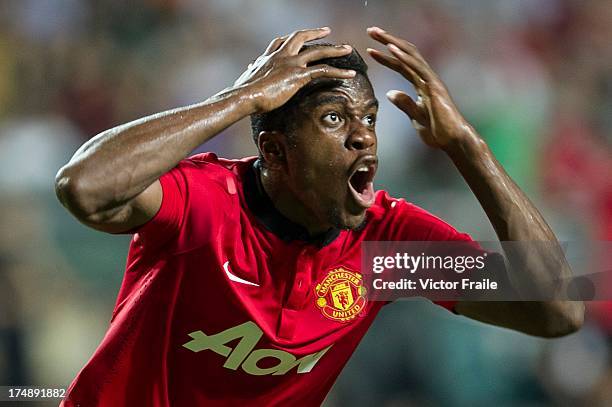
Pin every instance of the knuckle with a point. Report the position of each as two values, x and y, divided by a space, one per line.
292 36
313 73
298 33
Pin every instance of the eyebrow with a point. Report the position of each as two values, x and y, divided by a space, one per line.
331 99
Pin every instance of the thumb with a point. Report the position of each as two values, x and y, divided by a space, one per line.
406 104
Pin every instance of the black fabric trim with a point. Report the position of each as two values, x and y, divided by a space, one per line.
262 207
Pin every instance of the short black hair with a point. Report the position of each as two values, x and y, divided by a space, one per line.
282 117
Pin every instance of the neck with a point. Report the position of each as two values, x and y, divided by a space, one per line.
289 205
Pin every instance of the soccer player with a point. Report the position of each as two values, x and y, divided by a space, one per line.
243 283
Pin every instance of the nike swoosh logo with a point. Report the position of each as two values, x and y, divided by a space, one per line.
234 277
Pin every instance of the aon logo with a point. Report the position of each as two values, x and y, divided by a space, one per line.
243 354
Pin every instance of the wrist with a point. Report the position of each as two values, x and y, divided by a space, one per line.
251 97
468 143
244 98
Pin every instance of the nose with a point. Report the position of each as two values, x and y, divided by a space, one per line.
361 138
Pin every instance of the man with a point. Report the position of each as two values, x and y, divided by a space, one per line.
226 297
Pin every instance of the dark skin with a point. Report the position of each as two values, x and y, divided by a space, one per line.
308 178
111 183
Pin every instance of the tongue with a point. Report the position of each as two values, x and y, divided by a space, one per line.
367 194
364 188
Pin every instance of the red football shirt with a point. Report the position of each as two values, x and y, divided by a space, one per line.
224 302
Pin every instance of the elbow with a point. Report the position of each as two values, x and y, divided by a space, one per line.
564 318
76 193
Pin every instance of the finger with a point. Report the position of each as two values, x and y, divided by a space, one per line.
275 44
395 64
298 38
326 71
406 104
385 38
419 67
316 53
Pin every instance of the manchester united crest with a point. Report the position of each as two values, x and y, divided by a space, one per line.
341 295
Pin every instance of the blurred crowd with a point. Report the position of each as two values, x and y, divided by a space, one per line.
533 77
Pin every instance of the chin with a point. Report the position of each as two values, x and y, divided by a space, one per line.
350 221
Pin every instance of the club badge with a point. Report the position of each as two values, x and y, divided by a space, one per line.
341 295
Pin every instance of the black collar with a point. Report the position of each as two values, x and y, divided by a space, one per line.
262 207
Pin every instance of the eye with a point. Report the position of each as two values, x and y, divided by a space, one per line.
369 120
332 118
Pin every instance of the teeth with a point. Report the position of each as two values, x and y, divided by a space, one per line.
363 169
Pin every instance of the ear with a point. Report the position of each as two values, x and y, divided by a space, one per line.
272 147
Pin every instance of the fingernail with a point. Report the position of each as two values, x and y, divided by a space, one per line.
375 28
370 49
352 72
392 93
324 28
347 46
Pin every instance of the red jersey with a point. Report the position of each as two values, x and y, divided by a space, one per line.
225 302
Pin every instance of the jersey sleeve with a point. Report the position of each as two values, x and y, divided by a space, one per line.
411 223
168 219
192 203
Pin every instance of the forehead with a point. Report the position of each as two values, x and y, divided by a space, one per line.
355 92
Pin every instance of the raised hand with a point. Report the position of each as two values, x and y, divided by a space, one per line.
434 114
282 70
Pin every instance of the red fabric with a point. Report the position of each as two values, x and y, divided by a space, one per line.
175 285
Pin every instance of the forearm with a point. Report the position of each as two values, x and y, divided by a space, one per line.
118 164
441 125
512 214
515 218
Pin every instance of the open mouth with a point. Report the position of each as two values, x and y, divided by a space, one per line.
361 182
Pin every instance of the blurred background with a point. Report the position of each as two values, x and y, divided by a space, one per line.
534 77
